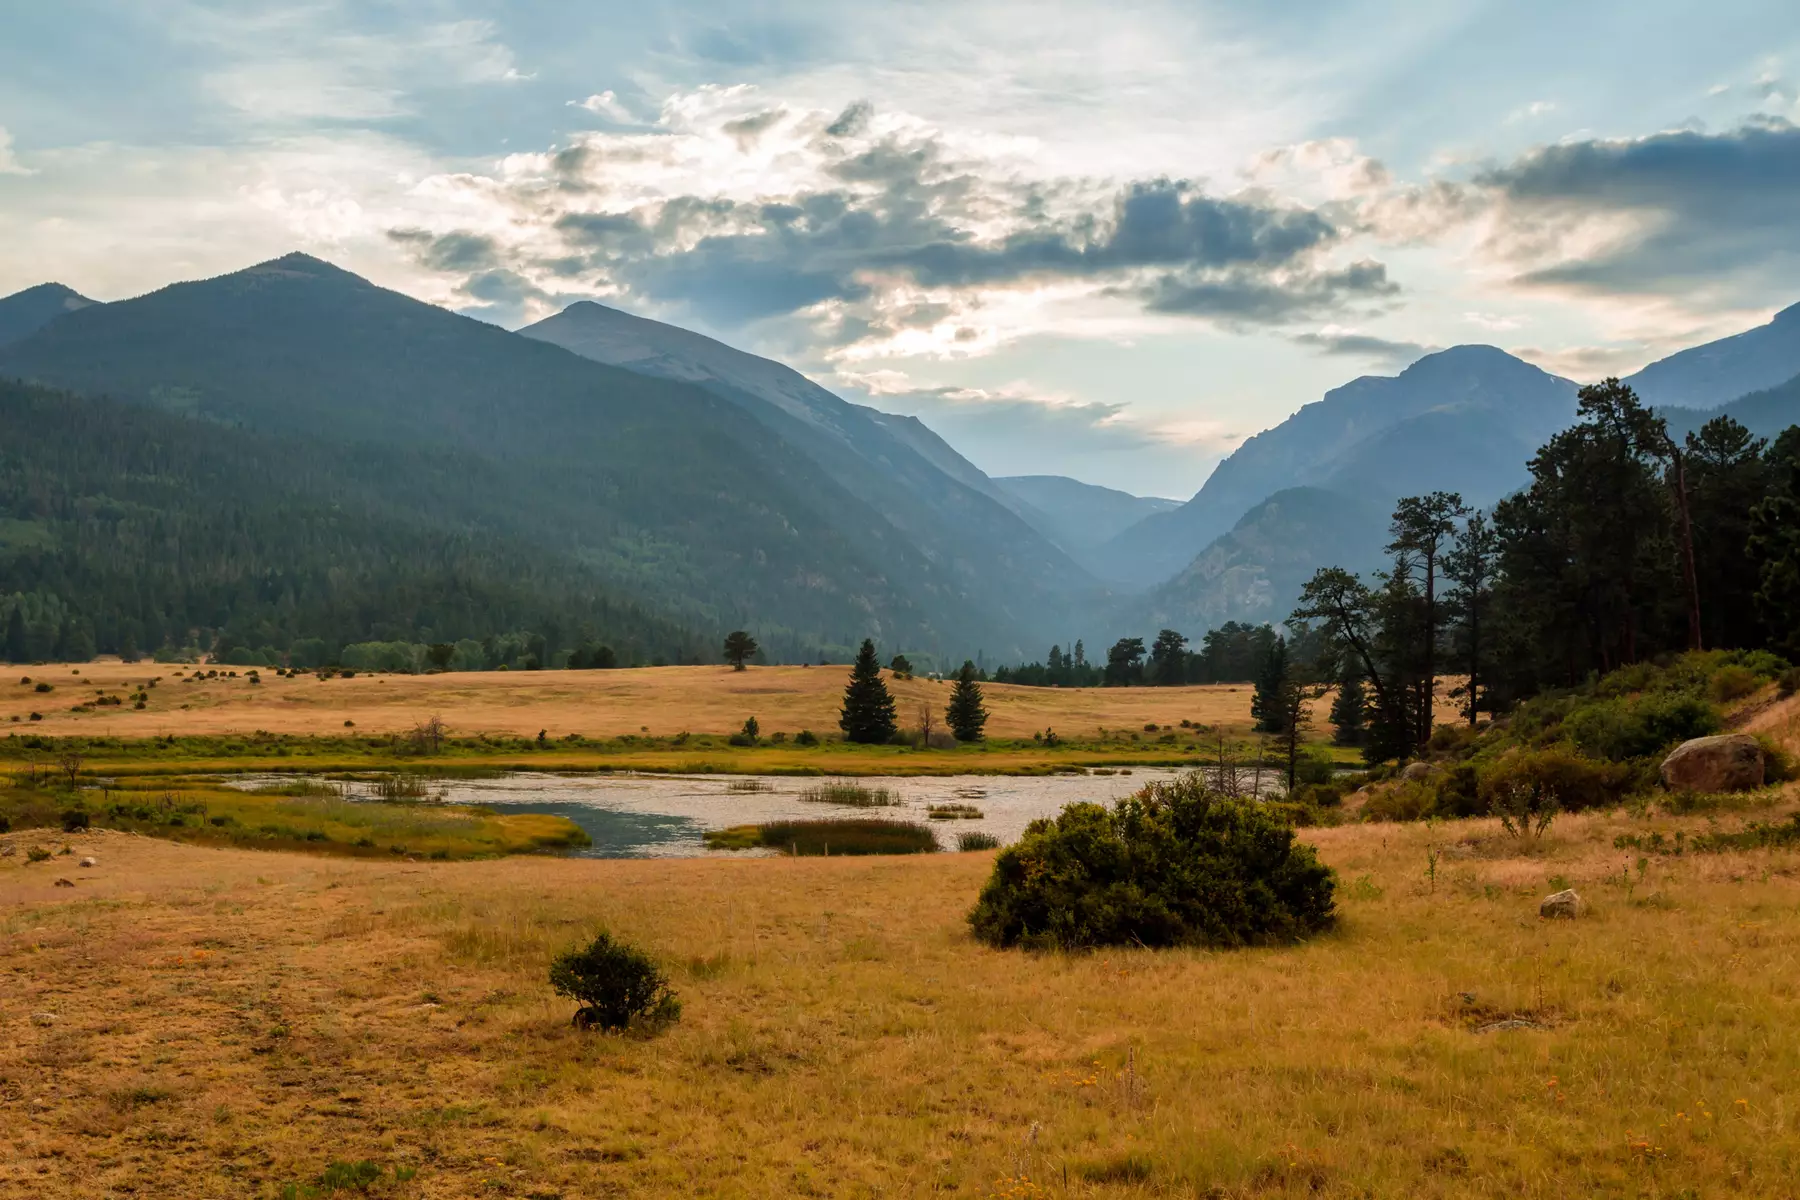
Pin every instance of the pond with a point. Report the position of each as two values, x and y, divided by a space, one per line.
638 816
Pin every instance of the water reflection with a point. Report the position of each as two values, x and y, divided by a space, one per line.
634 816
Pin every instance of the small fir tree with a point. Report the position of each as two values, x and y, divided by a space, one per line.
1349 710
740 648
1271 677
868 713
965 714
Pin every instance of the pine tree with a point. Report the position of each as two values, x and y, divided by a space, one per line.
1271 677
740 648
1774 547
868 713
965 714
1349 710
15 635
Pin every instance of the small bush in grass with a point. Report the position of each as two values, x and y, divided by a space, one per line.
806 839
1174 864
617 985
806 737
976 840
75 819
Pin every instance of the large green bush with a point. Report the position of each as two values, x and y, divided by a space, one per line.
1555 776
1638 726
1173 864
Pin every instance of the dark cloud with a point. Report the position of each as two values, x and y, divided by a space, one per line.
746 130
1242 296
1699 207
450 252
905 213
1362 345
852 121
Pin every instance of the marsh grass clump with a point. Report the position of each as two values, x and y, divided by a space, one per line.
401 787
807 839
618 986
748 786
953 812
853 795
1174 864
976 840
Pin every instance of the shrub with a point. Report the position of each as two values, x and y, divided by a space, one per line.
976 840
1789 682
74 819
806 737
617 985
1732 682
1640 726
1577 783
1319 795
1174 864
1459 793
1401 800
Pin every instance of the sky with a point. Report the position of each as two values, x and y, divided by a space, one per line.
1104 240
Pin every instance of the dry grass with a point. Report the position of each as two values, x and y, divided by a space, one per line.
225 1022
658 700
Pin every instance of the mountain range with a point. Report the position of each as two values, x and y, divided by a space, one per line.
602 475
674 497
1466 419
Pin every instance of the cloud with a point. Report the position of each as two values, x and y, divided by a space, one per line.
884 235
311 64
1658 215
606 104
9 162
1016 428
1363 345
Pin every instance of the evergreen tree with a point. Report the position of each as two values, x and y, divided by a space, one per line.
1271 678
1168 658
868 712
1080 654
1470 567
1774 547
1349 709
1727 475
1125 663
740 648
965 714
1422 529
901 666
15 635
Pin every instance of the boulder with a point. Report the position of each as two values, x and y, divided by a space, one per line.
65 883
1418 771
90 861
43 1019
1565 904
1731 762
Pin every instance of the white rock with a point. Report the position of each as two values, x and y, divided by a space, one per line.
43 1019
1565 903
90 861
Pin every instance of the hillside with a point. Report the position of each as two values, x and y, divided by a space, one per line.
1079 516
126 528
1466 418
24 313
1255 572
1712 374
668 494
1765 413
946 507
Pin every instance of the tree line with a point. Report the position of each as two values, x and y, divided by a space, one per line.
1626 545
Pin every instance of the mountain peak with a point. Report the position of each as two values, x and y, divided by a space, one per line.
298 262
24 313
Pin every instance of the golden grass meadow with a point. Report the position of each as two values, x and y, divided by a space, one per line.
191 1021
204 1020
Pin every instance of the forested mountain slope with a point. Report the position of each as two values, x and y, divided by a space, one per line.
670 494
951 512
125 528
1480 412
24 313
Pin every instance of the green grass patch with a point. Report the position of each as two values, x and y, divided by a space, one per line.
808 839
